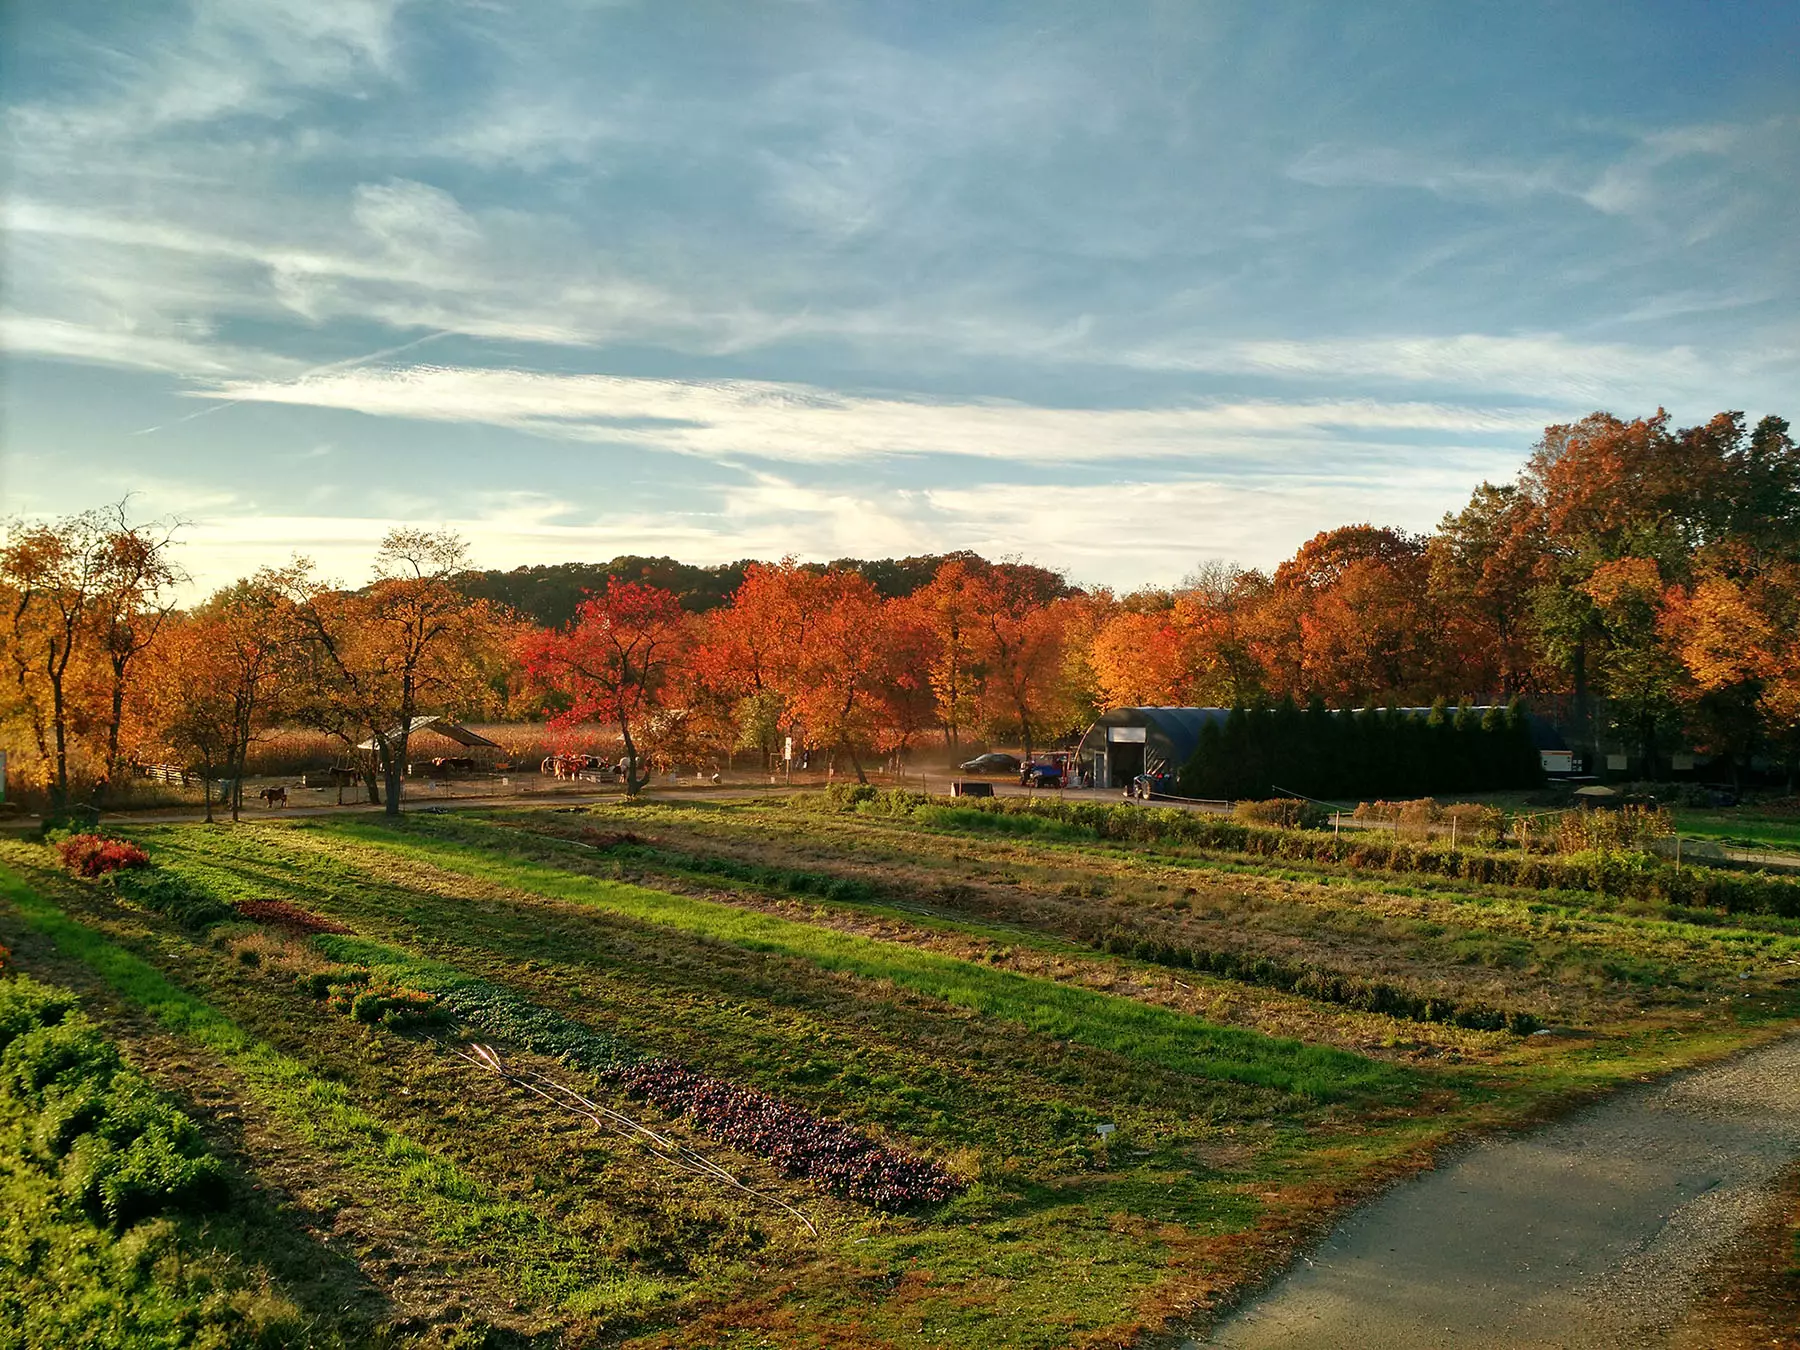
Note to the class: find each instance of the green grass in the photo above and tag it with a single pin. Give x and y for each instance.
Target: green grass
(542, 1261)
(1139, 1031)
(1781, 833)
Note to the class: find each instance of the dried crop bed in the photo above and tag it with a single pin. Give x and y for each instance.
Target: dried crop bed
(1101, 1085)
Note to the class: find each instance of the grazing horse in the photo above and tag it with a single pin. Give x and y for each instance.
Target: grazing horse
(276, 796)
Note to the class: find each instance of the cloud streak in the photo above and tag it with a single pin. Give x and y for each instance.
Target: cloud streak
(731, 419)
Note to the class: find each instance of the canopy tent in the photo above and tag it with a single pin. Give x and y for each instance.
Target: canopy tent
(440, 727)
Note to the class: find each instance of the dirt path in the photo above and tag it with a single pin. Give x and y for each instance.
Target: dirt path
(1593, 1232)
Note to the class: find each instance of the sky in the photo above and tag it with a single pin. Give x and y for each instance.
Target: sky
(1114, 288)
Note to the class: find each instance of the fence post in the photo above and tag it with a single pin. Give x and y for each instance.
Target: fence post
(1677, 853)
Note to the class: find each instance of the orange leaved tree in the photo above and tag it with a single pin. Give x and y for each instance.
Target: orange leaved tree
(408, 644)
(219, 674)
(612, 662)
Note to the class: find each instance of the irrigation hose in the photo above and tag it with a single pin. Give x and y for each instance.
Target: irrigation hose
(604, 1117)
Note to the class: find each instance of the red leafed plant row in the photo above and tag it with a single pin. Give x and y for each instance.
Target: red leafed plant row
(93, 855)
(289, 918)
(798, 1142)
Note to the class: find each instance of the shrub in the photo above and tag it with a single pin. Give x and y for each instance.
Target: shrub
(396, 1008)
(94, 855)
(1477, 823)
(1287, 813)
(363, 996)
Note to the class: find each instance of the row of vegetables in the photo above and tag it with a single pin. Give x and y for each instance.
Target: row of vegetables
(798, 1142)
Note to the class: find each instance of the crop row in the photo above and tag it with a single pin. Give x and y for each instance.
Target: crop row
(118, 1149)
(1625, 875)
(1124, 937)
(798, 1142)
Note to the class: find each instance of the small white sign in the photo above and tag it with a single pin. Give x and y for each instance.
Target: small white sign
(787, 750)
(1126, 735)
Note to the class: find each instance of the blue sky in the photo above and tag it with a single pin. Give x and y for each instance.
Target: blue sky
(1115, 288)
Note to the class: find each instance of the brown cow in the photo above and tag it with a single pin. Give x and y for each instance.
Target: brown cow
(275, 796)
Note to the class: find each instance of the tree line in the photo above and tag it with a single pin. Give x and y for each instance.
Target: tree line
(1646, 576)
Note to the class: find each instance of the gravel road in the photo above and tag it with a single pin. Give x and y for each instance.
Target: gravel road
(1591, 1232)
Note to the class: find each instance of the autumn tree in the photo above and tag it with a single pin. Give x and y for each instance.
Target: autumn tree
(612, 662)
(1483, 563)
(843, 666)
(1139, 656)
(1356, 601)
(750, 653)
(407, 644)
(949, 606)
(1021, 650)
(220, 673)
(132, 602)
(85, 596)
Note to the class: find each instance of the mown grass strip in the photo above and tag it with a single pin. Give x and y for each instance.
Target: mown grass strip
(1143, 1032)
(543, 1262)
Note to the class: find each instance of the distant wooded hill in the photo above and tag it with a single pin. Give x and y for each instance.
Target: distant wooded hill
(548, 594)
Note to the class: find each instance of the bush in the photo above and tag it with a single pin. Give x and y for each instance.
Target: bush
(1476, 823)
(94, 855)
(361, 995)
(1287, 813)
(396, 1008)
(119, 1149)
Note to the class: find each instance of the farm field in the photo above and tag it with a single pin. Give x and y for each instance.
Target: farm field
(791, 1073)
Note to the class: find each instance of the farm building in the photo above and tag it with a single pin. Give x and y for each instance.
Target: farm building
(1126, 742)
(438, 739)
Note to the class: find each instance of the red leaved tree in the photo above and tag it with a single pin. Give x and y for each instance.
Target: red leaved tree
(613, 661)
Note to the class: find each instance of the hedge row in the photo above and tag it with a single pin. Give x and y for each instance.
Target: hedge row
(1364, 752)
(119, 1150)
(1630, 876)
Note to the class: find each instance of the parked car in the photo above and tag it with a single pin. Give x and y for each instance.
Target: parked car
(994, 761)
(1040, 775)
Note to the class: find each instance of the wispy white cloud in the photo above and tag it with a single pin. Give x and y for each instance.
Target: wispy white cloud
(1120, 536)
(731, 419)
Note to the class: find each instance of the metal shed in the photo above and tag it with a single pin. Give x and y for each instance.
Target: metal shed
(1126, 742)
